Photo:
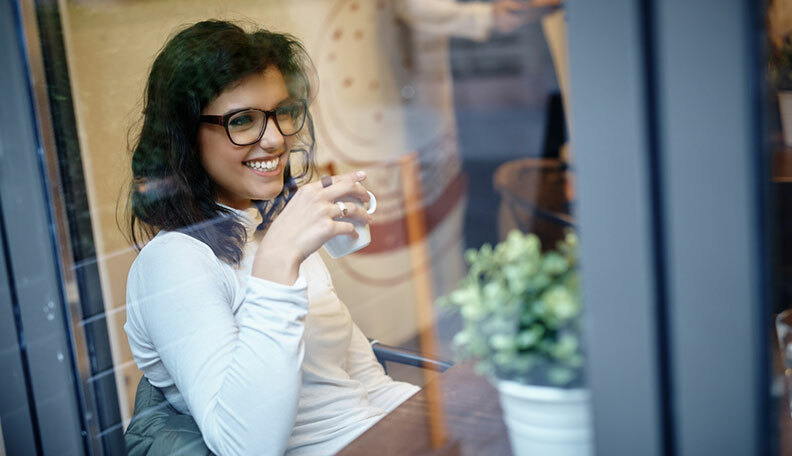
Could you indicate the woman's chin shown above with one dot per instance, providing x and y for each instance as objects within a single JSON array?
[{"x": 268, "y": 194}]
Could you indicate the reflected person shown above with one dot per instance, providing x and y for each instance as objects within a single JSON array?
[{"x": 230, "y": 310}]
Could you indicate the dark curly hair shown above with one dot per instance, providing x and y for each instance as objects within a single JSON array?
[{"x": 170, "y": 188}]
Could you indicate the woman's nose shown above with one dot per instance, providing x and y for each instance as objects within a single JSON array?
[{"x": 272, "y": 139}]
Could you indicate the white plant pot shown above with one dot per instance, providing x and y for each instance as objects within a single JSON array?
[
  {"x": 785, "y": 106},
  {"x": 546, "y": 421}
]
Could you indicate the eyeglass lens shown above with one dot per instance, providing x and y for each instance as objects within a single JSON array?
[{"x": 246, "y": 127}]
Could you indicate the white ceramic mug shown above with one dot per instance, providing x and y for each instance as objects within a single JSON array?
[{"x": 343, "y": 244}]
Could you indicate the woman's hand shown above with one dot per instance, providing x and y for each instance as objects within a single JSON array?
[
  {"x": 511, "y": 14},
  {"x": 307, "y": 222}
]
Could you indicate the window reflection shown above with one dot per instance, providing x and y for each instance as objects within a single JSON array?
[{"x": 460, "y": 125}]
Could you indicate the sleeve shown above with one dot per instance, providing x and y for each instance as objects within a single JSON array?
[
  {"x": 239, "y": 375},
  {"x": 383, "y": 391},
  {"x": 473, "y": 20}
]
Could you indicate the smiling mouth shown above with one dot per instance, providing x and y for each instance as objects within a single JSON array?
[{"x": 263, "y": 165}]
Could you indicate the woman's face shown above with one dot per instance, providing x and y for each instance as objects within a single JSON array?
[{"x": 231, "y": 167}]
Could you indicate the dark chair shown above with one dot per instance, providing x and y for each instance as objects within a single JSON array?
[{"x": 386, "y": 353}]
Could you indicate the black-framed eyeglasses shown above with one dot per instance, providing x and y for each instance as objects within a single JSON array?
[{"x": 246, "y": 126}]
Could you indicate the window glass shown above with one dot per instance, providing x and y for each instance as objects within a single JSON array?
[{"x": 456, "y": 111}]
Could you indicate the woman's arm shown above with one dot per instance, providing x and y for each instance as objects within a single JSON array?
[
  {"x": 239, "y": 374},
  {"x": 473, "y": 20}
]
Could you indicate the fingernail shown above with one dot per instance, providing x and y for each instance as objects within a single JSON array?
[{"x": 360, "y": 174}]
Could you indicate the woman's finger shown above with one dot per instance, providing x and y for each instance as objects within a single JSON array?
[
  {"x": 329, "y": 181},
  {"x": 345, "y": 189},
  {"x": 356, "y": 176},
  {"x": 345, "y": 228},
  {"x": 353, "y": 212}
]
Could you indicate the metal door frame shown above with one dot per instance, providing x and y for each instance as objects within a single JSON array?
[{"x": 672, "y": 170}]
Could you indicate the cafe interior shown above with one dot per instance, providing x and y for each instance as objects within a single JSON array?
[{"x": 580, "y": 244}]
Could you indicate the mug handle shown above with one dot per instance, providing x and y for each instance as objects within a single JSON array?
[{"x": 372, "y": 203}]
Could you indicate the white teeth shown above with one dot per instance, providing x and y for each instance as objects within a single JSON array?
[{"x": 262, "y": 165}]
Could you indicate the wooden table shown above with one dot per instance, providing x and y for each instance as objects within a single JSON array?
[{"x": 456, "y": 414}]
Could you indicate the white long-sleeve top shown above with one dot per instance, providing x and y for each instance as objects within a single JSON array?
[{"x": 262, "y": 367}]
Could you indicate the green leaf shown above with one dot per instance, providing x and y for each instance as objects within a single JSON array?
[
  {"x": 560, "y": 376},
  {"x": 530, "y": 337},
  {"x": 566, "y": 347}
]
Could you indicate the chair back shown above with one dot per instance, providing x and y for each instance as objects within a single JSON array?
[{"x": 533, "y": 199}]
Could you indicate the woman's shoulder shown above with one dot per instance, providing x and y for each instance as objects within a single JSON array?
[
  {"x": 174, "y": 262},
  {"x": 167, "y": 242},
  {"x": 173, "y": 251}
]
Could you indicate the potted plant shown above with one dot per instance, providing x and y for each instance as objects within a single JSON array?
[
  {"x": 780, "y": 72},
  {"x": 521, "y": 310}
]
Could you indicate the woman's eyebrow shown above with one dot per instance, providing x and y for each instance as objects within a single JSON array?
[
  {"x": 235, "y": 110},
  {"x": 287, "y": 98}
]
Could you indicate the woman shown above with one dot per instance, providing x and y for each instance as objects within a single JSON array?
[{"x": 230, "y": 310}]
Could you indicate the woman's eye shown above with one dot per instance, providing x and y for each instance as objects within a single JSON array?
[
  {"x": 241, "y": 121},
  {"x": 292, "y": 111}
]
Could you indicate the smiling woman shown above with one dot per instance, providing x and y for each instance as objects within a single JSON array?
[
  {"x": 231, "y": 313},
  {"x": 179, "y": 150}
]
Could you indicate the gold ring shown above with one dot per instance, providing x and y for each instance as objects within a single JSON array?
[{"x": 343, "y": 208}]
